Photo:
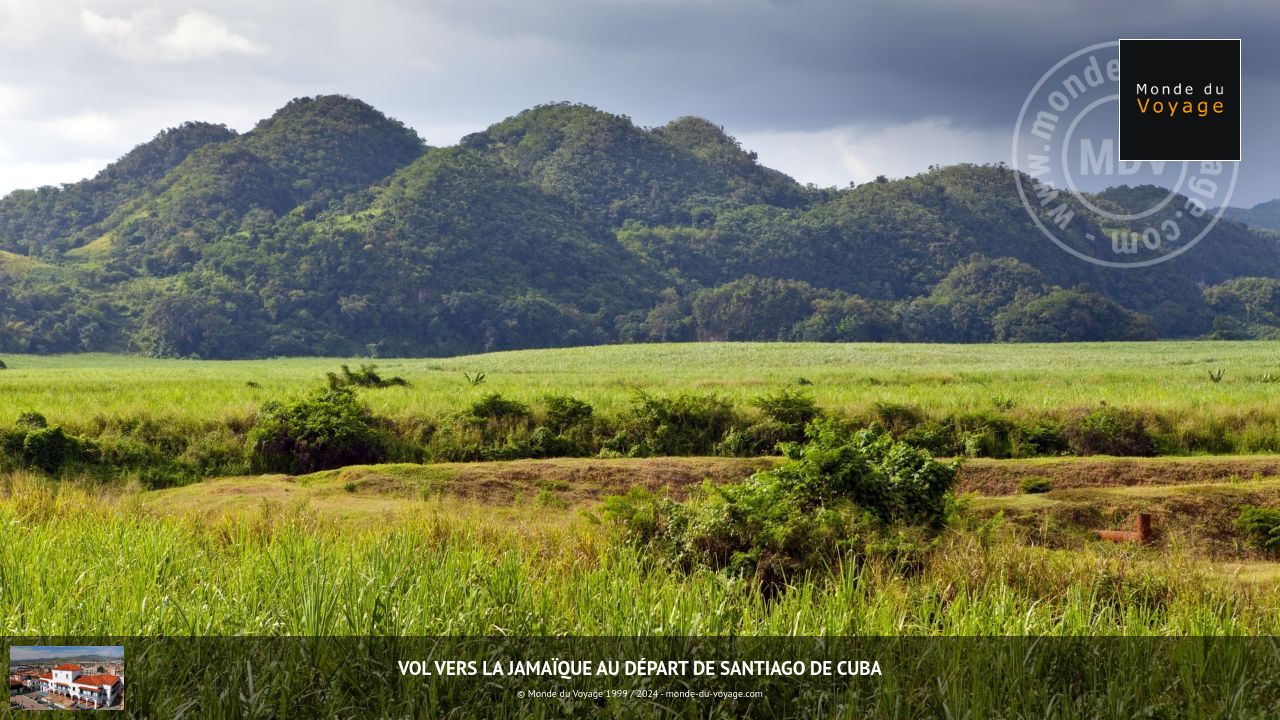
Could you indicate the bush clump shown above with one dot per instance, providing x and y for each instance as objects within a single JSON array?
[
  {"x": 568, "y": 429},
  {"x": 788, "y": 406},
  {"x": 1110, "y": 431},
  {"x": 494, "y": 428},
  {"x": 784, "y": 416},
  {"x": 1261, "y": 527},
  {"x": 565, "y": 413},
  {"x": 840, "y": 492},
  {"x": 1042, "y": 436},
  {"x": 1035, "y": 484},
  {"x": 367, "y": 377},
  {"x": 684, "y": 424},
  {"x": 33, "y": 443},
  {"x": 48, "y": 448},
  {"x": 328, "y": 429},
  {"x": 495, "y": 407},
  {"x": 898, "y": 417},
  {"x": 31, "y": 420}
]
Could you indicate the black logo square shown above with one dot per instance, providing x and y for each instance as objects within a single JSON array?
[{"x": 1179, "y": 100}]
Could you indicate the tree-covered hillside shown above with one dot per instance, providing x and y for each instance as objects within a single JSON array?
[
  {"x": 331, "y": 229},
  {"x": 33, "y": 220},
  {"x": 1263, "y": 215}
]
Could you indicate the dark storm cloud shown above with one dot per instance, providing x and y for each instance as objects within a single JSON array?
[
  {"x": 811, "y": 65},
  {"x": 84, "y": 80}
]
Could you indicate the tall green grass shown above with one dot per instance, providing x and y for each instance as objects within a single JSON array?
[
  {"x": 1167, "y": 376},
  {"x": 80, "y": 562},
  {"x": 198, "y": 411}
]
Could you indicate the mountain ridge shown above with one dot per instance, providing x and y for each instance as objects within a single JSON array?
[
  {"x": 330, "y": 228},
  {"x": 1264, "y": 215}
]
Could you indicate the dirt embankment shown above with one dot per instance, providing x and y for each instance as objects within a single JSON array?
[
  {"x": 580, "y": 482},
  {"x": 586, "y": 480},
  {"x": 1001, "y": 477},
  {"x": 576, "y": 480}
]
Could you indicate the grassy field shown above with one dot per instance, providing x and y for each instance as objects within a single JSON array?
[
  {"x": 519, "y": 547},
  {"x": 310, "y": 556},
  {"x": 1171, "y": 377},
  {"x": 289, "y": 560}
]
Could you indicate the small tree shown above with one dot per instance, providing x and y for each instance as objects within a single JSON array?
[{"x": 328, "y": 429}]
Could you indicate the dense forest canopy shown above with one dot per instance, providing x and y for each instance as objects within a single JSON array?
[{"x": 332, "y": 229}]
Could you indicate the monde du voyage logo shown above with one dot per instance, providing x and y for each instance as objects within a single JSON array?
[{"x": 1127, "y": 150}]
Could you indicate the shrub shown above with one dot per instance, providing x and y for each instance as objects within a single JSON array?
[
  {"x": 1109, "y": 431},
  {"x": 492, "y": 428},
  {"x": 684, "y": 424},
  {"x": 760, "y": 438},
  {"x": 499, "y": 429},
  {"x": 1035, "y": 484},
  {"x": 32, "y": 420},
  {"x": 785, "y": 415},
  {"x": 49, "y": 448},
  {"x": 898, "y": 417},
  {"x": 543, "y": 442},
  {"x": 788, "y": 406},
  {"x": 328, "y": 429},
  {"x": 495, "y": 407},
  {"x": 129, "y": 456},
  {"x": 34, "y": 443},
  {"x": 366, "y": 377},
  {"x": 11, "y": 446},
  {"x": 565, "y": 413},
  {"x": 3, "y": 366},
  {"x": 1260, "y": 527},
  {"x": 840, "y": 492},
  {"x": 936, "y": 436},
  {"x": 570, "y": 429},
  {"x": 984, "y": 434},
  {"x": 1043, "y": 436},
  {"x": 458, "y": 441}
]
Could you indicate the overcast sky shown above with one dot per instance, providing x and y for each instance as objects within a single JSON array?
[
  {"x": 39, "y": 652},
  {"x": 828, "y": 91}
]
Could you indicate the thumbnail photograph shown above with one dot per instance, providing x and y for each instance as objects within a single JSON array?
[{"x": 61, "y": 677}]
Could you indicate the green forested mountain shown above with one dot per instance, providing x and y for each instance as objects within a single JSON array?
[
  {"x": 331, "y": 229},
  {"x": 34, "y": 220},
  {"x": 1263, "y": 215}
]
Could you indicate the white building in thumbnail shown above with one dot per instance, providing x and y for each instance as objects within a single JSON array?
[{"x": 69, "y": 680}]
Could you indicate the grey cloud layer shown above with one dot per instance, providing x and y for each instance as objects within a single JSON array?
[{"x": 89, "y": 79}]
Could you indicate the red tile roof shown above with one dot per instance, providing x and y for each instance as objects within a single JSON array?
[
  {"x": 46, "y": 676},
  {"x": 67, "y": 666},
  {"x": 97, "y": 680}
]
